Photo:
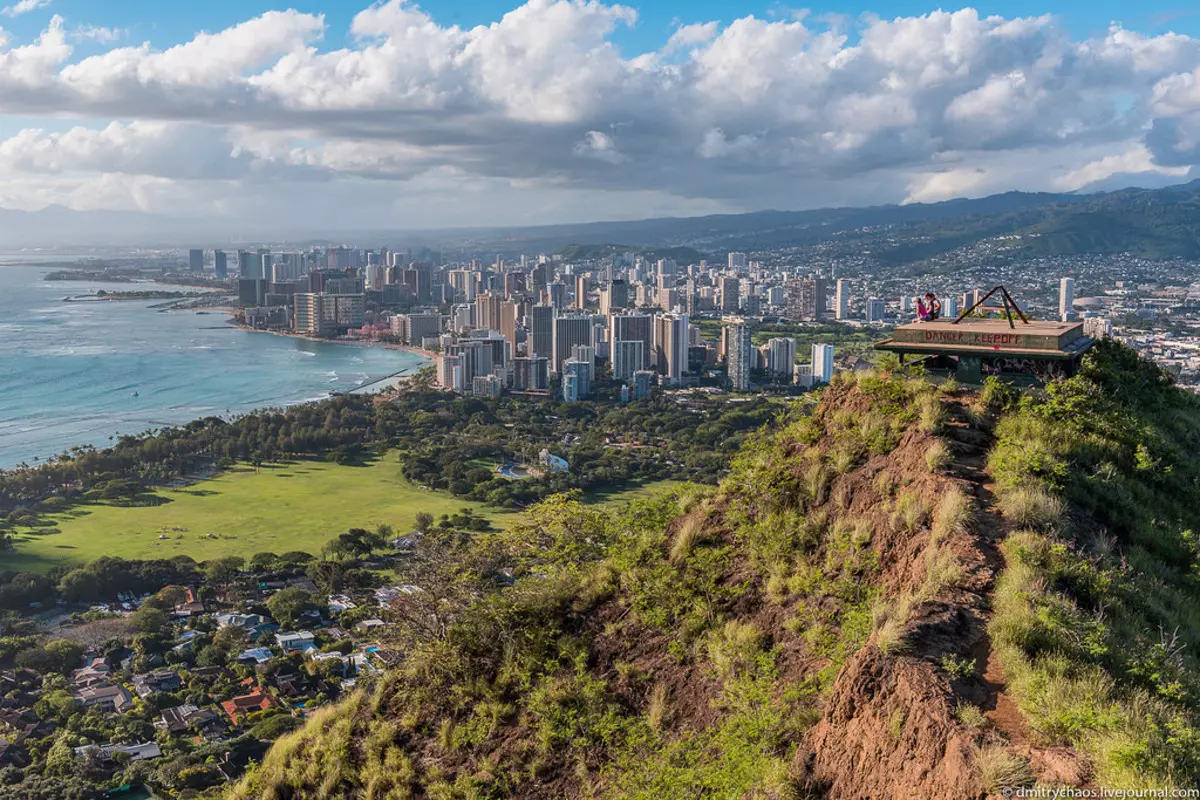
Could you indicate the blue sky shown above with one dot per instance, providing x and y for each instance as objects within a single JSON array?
[
  {"x": 565, "y": 111},
  {"x": 170, "y": 22}
]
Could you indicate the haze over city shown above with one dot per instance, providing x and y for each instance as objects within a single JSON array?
[{"x": 265, "y": 121}]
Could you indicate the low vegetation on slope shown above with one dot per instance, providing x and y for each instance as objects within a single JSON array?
[
  {"x": 825, "y": 623},
  {"x": 1097, "y": 616},
  {"x": 684, "y": 648}
]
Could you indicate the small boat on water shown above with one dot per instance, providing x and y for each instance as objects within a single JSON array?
[{"x": 133, "y": 394}]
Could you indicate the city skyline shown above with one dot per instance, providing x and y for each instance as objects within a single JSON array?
[{"x": 414, "y": 116}]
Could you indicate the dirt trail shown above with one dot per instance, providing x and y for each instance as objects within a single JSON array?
[
  {"x": 1051, "y": 764},
  {"x": 971, "y": 447}
]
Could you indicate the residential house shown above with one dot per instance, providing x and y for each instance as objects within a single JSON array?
[
  {"x": 106, "y": 697},
  {"x": 96, "y": 671},
  {"x": 305, "y": 583},
  {"x": 339, "y": 603},
  {"x": 191, "y": 606},
  {"x": 188, "y": 717},
  {"x": 136, "y": 752},
  {"x": 389, "y": 594},
  {"x": 296, "y": 641},
  {"x": 238, "y": 707},
  {"x": 160, "y": 681},
  {"x": 253, "y": 624},
  {"x": 368, "y": 625},
  {"x": 255, "y": 655}
]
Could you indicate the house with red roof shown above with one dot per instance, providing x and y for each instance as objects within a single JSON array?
[{"x": 256, "y": 700}]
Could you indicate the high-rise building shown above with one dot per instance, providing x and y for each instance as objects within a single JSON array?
[
  {"x": 531, "y": 374},
  {"x": 343, "y": 310},
  {"x": 577, "y": 380},
  {"x": 613, "y": 297},
  {"x": 580, "y": 292},
  {"x": 418, "y": 326},
  {"x": 220, "y": 265},
  {"x": 950, "y": 308},
  {"x": 876, "y": 310},
  {"x": 737, "y": 260},
  {"x": 487, "y": 311},
  {"x": 556, "y": 295},
  {"x": 487, "y": 386},
  {"x": 1097, "y": 327},
  {"x": 841, "y": 303},
  {"x": 729, "y": 293},
  {"x": 1066, "y": 300},
  {"x": 541, "y": 342},
  {"x": 476, "y": 357},
  {"x": 308, "y": 314},
  {"x": 249, "y": 265},
  {"x": 781, "y": 355},
  {"x": 671, "y": 347},
  {"x": 450, "y": 373},
  {"x": 822, "y": 363},
  {"x": 196, "y": 260},
  {"x": 586, "y": 353},
  {"x": 509, "y": 313},
  {"x": 628, "y": 357},
  {"x": 643, "y": 379},
  {"x": 569, "y": 332},
  {"x": 634, "y": 327},
  {"x": 740, "y": 354},
  {"x": 807, "y": 298}
]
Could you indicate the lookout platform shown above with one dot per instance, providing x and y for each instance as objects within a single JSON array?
[{"x": 1020, "y": 350}]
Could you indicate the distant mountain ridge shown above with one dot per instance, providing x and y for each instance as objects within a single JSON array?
[{"x": 1154, "y": 223}]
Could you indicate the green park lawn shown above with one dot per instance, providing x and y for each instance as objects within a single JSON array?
[{"x": 277, "y": 508}]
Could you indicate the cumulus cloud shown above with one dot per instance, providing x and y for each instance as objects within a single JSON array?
[{"x": 750, "y": 113}]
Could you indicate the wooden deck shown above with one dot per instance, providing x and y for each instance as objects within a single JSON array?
[{"x": 990, "y": 337}]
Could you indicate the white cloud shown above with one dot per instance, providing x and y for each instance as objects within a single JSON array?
[
  {"x": 97, "y": 33},
  {"x": 23, "y": 7},
  {"x": 752, "y": 113}
]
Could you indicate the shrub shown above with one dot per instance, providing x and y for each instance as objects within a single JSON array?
[
  {"x": 734, "y": 649},
  {"x": 1033, "y": 508},
  {"x": 957, "y": 666},
  {"x": 938, "y": 456},
  {"x": 952, "y": 514},
  {"x": 910, "y": 513},
  {"x": 943, "y": 571},
  {"x": 691, "y": 533},
  {"x": 970, "y": 716},
  {"x": 933, "y": 414},
  {"x": 1001, "y": 769},
  {"x": 656, "y": 712}
]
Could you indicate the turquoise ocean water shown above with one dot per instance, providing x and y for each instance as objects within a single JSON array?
[{"x": 68, "y": 371}]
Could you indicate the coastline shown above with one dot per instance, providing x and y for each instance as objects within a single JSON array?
[
  {"x": 387, "y": 385},
  {"x": 428, "y": 355}
]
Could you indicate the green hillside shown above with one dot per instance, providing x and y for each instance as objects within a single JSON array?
[{"x": 913, "y": 589}]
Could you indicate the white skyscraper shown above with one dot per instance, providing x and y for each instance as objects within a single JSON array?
[
  {"x": 876, "y": 310},
  {"x": 841, "y": 307},
  {"x": 822, "y": 363},
  {"x": 1066, "y": 300},
  {"x": 781, "y": 355},
  {"x": 671, "y": 347},
  {"x": 950, "y": 308}
]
